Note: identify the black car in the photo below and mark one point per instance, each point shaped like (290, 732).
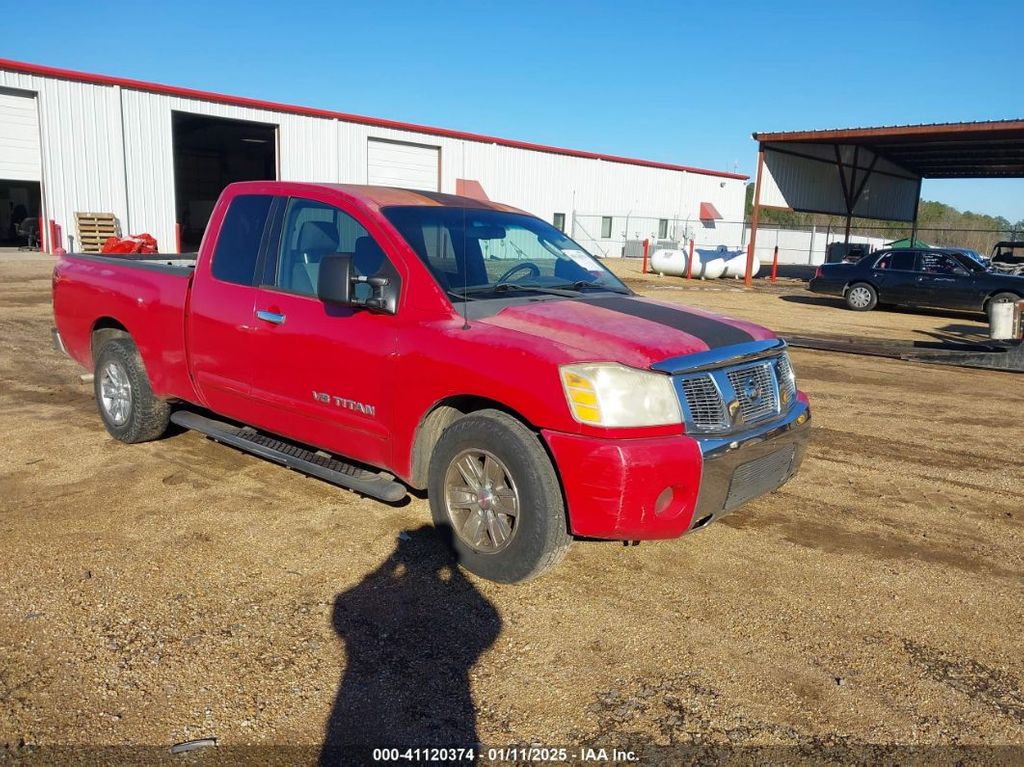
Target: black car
(945, 279)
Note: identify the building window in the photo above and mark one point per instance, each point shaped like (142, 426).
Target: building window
(606, 227)
(662, 228)
(559, 221)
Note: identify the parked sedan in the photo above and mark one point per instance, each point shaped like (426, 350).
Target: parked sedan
(945, 279)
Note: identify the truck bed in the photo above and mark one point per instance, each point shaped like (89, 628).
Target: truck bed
(146, 295)
(170, 263)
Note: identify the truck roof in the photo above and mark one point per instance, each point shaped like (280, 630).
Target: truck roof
(375, 196)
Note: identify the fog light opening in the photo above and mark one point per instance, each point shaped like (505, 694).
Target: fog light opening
(663, 501)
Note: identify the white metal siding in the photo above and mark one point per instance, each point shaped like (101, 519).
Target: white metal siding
(411, 166)
(108, 148)
(19, 137)
(805, 177)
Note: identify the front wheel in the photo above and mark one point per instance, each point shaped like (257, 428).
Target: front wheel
(124, 398)
(861, 297)
(492, 485)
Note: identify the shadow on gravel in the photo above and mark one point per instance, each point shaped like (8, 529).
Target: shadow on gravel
(813, 300)
(413, 628)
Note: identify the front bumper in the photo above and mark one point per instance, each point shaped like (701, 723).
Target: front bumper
(663, 487)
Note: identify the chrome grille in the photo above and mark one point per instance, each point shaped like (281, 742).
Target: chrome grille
(755, 391)
(704, 403)
(731, 398)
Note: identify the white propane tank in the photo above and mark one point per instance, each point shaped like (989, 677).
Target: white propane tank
(670, 262)
(712, 267)
(736, 266)
(1001, 321)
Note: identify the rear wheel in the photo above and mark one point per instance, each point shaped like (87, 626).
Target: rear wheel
(861, 297)
(124, 398)
(492, 485)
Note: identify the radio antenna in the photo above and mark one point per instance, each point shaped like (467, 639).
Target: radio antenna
(465, 276)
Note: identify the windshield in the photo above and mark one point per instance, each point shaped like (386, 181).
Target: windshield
(975, 256)
(473, 252)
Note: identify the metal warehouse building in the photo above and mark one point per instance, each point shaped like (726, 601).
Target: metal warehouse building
(157, 156)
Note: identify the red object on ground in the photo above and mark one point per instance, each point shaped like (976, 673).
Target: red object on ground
(53, 235)
(136, 243)
(689, 263)
(177, 237)
(775, 263)
(647, 245)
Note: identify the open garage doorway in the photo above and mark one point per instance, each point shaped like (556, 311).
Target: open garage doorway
(209, 154)
(19, 214)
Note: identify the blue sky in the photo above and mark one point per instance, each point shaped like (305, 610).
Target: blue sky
(673, 81)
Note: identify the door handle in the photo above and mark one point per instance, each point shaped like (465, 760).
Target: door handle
(274, 317)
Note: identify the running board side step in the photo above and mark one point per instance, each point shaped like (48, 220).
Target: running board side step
(320, 465)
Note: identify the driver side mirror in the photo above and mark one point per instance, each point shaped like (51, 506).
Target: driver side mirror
(334, 283)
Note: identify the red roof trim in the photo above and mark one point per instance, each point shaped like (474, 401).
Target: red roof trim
(171, 90)
(709, 212)
(987, 129)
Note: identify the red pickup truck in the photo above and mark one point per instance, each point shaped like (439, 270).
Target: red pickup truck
(382, 338)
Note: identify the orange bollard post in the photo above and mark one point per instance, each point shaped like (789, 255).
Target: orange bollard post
(647, 245)
(177, 237)
(689, 263)
(775, 263)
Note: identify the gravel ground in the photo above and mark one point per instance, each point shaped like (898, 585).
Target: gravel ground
(175, 590)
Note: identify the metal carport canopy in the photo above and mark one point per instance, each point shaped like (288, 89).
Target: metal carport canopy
(876, 172)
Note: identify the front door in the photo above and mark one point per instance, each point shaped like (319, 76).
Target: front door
(944, 282)
(322, 373)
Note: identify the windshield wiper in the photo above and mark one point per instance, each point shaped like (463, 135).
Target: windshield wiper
(507, 287)
(583, 284)
(568, 290)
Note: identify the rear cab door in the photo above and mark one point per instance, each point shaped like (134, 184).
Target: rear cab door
(895, 276)
(219, 321)
(323, 374)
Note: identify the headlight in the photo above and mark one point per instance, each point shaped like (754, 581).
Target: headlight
(609, 394)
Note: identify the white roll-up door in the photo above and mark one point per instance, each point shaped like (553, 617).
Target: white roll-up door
(19, 136)
(410, 166)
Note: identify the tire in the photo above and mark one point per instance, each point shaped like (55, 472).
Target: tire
(861, 297)
(512, 472)
(124, 397)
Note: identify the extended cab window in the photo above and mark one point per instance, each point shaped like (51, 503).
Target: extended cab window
(313, 230)
(238, 244)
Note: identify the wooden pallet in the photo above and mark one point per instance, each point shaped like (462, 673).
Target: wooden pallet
(94, 229)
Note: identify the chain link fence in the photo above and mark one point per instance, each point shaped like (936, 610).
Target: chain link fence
(623, 236)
